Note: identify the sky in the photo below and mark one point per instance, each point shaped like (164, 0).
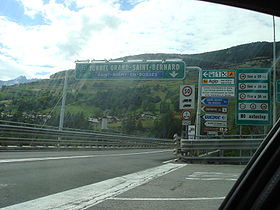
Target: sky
(41, 37)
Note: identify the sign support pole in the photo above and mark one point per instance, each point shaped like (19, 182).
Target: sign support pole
(274, 73)
(198, 110)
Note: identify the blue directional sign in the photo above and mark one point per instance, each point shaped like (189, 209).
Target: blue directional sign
(215, 101)
(215, 117)
(278, 91)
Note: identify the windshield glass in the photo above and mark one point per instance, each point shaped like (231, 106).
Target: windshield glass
(162, 82)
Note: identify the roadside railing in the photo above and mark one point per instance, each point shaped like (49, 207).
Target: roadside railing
(27, 137)
(218, 150)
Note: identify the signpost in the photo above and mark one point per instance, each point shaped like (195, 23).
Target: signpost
(218, 91)
(186, 115)
(215, 124)
(210, 74)
(214, 109)
(215, 117)
(217, 87)
(214, 129)
(131, 70)
(218, 83)
(187, 96)
(215, 101)
(253, 106)
(191, 131)
(253, 97)
(187, 99)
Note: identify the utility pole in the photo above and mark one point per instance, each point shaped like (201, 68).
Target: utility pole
(198, 110)
(274, 73)
(61, 119)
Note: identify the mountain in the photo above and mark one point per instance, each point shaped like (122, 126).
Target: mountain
(133, 106)
(255, 54)
(226, 58)
(18, 80)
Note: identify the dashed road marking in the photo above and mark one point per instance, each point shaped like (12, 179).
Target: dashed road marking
(168, 161)
(3, 186)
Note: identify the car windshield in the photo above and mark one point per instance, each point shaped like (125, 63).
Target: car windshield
(126, 104)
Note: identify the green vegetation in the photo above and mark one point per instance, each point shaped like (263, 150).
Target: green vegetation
(149, 108)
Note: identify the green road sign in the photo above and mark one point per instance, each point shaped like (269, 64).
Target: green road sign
(148, 70)
(253, 97)
(278, 91)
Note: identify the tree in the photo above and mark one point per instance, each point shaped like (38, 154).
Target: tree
(167, 125)
(129, 125)
(139, 125)
(164, 107)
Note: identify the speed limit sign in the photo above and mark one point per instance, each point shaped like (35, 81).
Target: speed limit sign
(187, 90)
(187, 96)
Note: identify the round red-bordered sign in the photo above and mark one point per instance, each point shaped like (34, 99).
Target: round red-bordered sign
(264, 106)
(242, 76)
(242, 106)
(242, 86)
(253, 106)
(186, 115)
(242, 96)
(187, 91)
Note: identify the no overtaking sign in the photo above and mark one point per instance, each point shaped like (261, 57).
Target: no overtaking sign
(186, 115)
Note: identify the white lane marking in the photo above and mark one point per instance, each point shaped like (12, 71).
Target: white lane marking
(90, 195)
(167, 199)
(210, 179)
(212, 176)
(80, 156)
(168, 161)
(3, 186)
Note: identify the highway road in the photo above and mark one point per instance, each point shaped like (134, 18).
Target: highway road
(112, 179)
(28, 175)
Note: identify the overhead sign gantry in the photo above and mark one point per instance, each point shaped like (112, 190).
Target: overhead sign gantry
(126, 70)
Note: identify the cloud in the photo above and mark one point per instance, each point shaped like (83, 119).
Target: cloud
(87, 29)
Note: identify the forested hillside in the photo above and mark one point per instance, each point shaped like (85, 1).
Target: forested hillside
(149, 108)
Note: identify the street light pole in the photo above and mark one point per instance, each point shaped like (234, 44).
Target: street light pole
(61, 119)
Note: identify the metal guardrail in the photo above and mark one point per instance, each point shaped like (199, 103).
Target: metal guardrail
(24, 137)
(218, 150)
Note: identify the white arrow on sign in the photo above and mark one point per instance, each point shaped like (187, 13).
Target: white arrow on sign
(205, 74)
(173, 74)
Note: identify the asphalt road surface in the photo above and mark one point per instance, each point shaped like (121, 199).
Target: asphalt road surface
(120, 179)
(28, 175)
